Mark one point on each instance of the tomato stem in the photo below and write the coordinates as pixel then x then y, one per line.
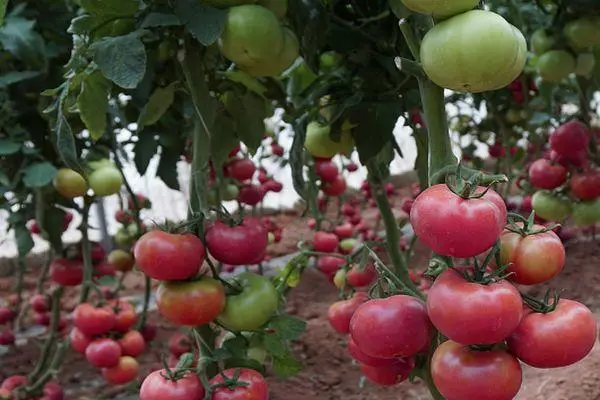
pixel 86 250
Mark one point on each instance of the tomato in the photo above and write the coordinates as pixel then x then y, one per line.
pixel 53 391
pixel 179 343
pixel 585 64
pixel 251 195
pixel 132 344
pixel 183 254
pixel 492 312
pixel 125 315
pixel 103 269
pixel 570 139
pixel 157 385
pixel 532 259
pixel 93 321
pixel 103 353
pixel 359 278
pixel 582 33
pixel 79 340
pixel 366 359
pixel 39 303
pixel 451 52
pixel 541 42
pixel 344 231
pixel 66 272
pixel 457 227
pixel 347 246
pixel 326 170
pixel 555 65
pixel 249 240
pixel 329 265
pixel 586 213
pixel 320 145
pixel 149 332
pixel 241 169
pixel 586 185
pixel 124 372
pixel 544 175
pixel 255 389
pixel 106 181
pixel 389 375
pixel 325 242
pixel 7 337
pixel 397 326
pixel 340 313
pixel 14 381
pixel 440 8
pixel 272 186
pixel 277 150
pixel 69 183
pixel 335 188
pixel 7 315
pixel 555 339
pixel 550 207
pixel 462 373
pixel 352 167
pixel 253 306
pixel 190 303
pixel 121 260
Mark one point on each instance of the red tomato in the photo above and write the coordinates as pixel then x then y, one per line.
pixel 6 315
pixel 340 313
pixel 491 312
pixel 191 303
pixel 132 344
pixel 325 242
pixel 407 205
pixel 556 339
pixel 125 315
pixel 238 245
pixel 13 382
pixel 103 353
pixel 93 321
pixel 348 210
pixel 389 375
pixel 104 269
pixel 79 340
pixel 344 231
pixel 329 265
pixel 256 388
pixel 149 332
pixel 272 185
pixel 124 372
pixel 183 254
pixel 39 303
pixel 66 272
pixel 251 194
pixel 366 359
pixel 42 318
pixel 53 391
pixel 352 167
pixel 545 175
pixel 570 139
pixel 326 170
pixel 533 259
pixel 397 326
pixel 158 386
pixel 461 373
pixel 241 169
pixel 457 227
pixel 179 343
pixel 335 188
pixel 276 149
pixel 359 278
pixel 586 185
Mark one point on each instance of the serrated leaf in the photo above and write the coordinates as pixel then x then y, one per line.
pixel 50 220
pixel 39 174
pixel 65 143
pixel 153 20
pixel 145 148
pixel 92 103
pixel 167 169
pixel 373 127
pixel 111 8
pixel 157 105
pixel 287 327
pixel 19 37
pixel 205 23
pixel 122 59
pixel 249 113
pixel 275 344
pixel 236 346
pixel 17 76
pixel 8 146
pixel 286 365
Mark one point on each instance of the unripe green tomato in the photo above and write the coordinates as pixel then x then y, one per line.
pixel 279 63
pixel 583 32
pixel 166 50
pixel 549 206
pixel 230 192
pixel 106 181
pixel 555 65
pixel 95 165
pixel 329 61
pixel 339 280
pixel 541 42
pixel 476 51
pixel 513 116
pixel 319 144
pixel 586 62
pixel 226 3
pixel 123 239
pixel 440 8
pixel 68 183
pixel 586 213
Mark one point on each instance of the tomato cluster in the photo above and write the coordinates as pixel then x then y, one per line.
pixel 13 385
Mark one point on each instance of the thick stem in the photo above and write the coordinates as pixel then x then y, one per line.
pixel 86 250
pixel 147 293
pixel 44 272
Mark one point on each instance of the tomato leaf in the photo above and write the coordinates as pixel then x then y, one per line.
pixel 309 20
pixel 8 146
pixel 17 76
pixel 245 363
pixel 236 346
pixel 286 365
pixel 249 112
pixel 50 220
pixel 287 327
pixel 399 9
pixel 275 344
pixel 122 59
pixel 145 149
pixel 167 168
pixel 297 156
pixel 22 235
pixel 18 36
pixel 205 23
pixel 111 8
pixel 220 354
pixel 223 128
pixel 3 4
pixel 65 142
pixel 39 174
pixel 93 103
pixel 153 20
pixel 157 105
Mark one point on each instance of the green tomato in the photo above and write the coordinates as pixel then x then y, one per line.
pixel 541 42
pixel 555 65
pixel 96 165
pixel 230 192
pixel 166 50
pixel 329 61
pixel 276 66
pixel 339 279
pixel 319 144
pixel 549 206
pixel 106 181
pixel 226 3
pixel 585 64
pixel 69 183
pixel 252 36
pixel 586 213
pixel 583 32
pixel 440 8
pixel 253 307
pixel 476 51
pixel 123 239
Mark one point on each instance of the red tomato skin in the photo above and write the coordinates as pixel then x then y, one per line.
pixel 344 231
pixel 168 256
pixel 397 326
pixel 125 315
pixel 93 321
pixel 461 373
pixel 457 227
pixel 491 312
pixel 79 340
pixel 132 344
pixel 13 382
pixel 66 272
pixel 329 265
pixel 389 375
pixel 335 188
pixel 39 303
pixel 366 359
pixel 6 315
pixel 326 170
pixel 124 372
pixel 340 313
pixel 241 169
pixel 570 138
pixel 586 185
pixel 53 391
pixel 179 343
pixel 149 332
pixel 251 194
pixel 325 242
pixel 191 303
pixel 256 389
pixel 250 241
pixel 358 278
pixel 103 353
pixel 156 387
pixel 533 259
pixel 556 339
pixel 544 175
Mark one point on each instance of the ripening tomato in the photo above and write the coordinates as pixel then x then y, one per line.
pixel 157 386
pixel 389 375
pixel 256 388
pixel 359 278
pixel 179 343
pixel 329 265
pixel 132 344
pixel 92 320
pixel 326 170
pixel 544 175
pixel 244 244
pixel 534 258
pixel 586 213
pixel 66 272
pixel 344 231
pixel 462 373
pixel 251 194
pixel 124 372
pixel 336 187
pixel 103 353
pixel 492 312
pixel 168 256
pixel 586 185
pixel 14 381
pixel 121 260
pixel 457 227
pixel 191 303
pixel 7 337
pixel 340 313
pixel 366 359
pixel 325 242
pixel 79 340
pixel 125 315
pixel 241 169
pixel 7 315
pixel 570 138
pixel 348 210
pixel 69 183
pixel 555 339
pixel 396 326
pixel 550 206
pixel 52 391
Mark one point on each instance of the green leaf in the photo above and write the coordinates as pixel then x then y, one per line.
pixel 23 238
pixel 379 165
pixel 374 127
pixel 145 148
pixel 8 146
pixel 122 59
pixel 310 22
pixel 297 156
pixel 226 140
pixel 205 23
pixel 275 344
pixel 93 103
pixel 249 113
pixel 236 346
pixel 286 365
pixel 39 174
pixel 153 20
pixel 106 280
pixel 3 4
pixel 245 363
pixel 65 143
pixel 167 168
pixel 19 37
pixel 287 327
pixel 17 76
pixel 4 181
pixel 111 8
pixel 157 105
